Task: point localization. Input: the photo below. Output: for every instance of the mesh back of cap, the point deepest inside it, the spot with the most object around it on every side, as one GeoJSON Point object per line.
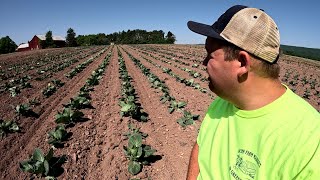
{"type": "Point", "coordinates": [254, 31]}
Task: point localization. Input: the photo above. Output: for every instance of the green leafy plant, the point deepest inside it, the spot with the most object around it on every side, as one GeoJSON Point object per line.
{"type": "Point", "coordinates": [132, 110]}
{"type": "Point", "coordinates": [57, 136]}
{"type": "Point", "coordinates": [84, 91]}
{"type": "Point", "coordinates": [34, 102]}
{"type": "Point", "coordinates": [166, 70]}
{"type": "Point", "coordinates": [7, 86]}
{"type": "Point", "coordinates": [203, 90]}
{"type": "Point", "coordinates": [68, 116]}
{"type": "Point", "coordinates": [190, 82]}
{"type": "Point", "coordinates": [174, 105]}
{"type": "Point", "coordinates": [95, 77]}
{"type": "Point", "coordinates": [306, 94]}
{"type": "Point", "coordinates": [195, 65]}
{"type": "Point", "coordinates": [43, 165]}
{"type": "Point", "coordinates": [25, 85]}
{"type": "Point", "coordinates": [187, 119]}
{"type": "Point", "coordinates": [137, 153]}
{"type": "Point", "coordinates": [24, 110]}
{"type": "Point", "coordinates": [14, 91]}
{"type": "Point", "coordinates": [8, 127]}
{"type": "Point", "coordinates": [194, 74]}
{"type": "Point", "coordinates": [133, 130]}
{"type": "Point", "coordinates": [166, 97]}
{"type": "Point", "coordinates": [49, 90]}
{"type": "Point", "coordinates": [92, 81]}
{"type": "Point", "coordinates": [57, 82]}
{"type": "Point", "coordinates": [71, 74]}
{"type": "Point", "coordinates": [79, 102]}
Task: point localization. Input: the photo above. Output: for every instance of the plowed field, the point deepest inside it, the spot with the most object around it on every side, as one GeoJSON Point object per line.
{"type": "Point", "coordinates": [94, 149]}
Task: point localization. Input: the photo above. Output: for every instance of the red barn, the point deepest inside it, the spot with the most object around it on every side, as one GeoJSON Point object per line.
{"type": "Point", "coordinates": [23, 47]}
{"type": "Point", "coordinates": [35, 42]}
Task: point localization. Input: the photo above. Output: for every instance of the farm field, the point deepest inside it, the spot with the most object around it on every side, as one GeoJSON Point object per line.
{"type": "Point", "coordinates": [113, 104]}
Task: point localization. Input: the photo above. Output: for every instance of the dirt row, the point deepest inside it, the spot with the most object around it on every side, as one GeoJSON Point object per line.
{"type": "Point", "coordinates": [18, 147]}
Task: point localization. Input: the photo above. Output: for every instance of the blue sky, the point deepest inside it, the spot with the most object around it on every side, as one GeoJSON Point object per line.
{"type": "Point", "coordinates": [298, 21]}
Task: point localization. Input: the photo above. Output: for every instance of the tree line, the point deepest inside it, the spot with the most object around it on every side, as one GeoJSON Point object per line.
{"type": "Point", "coordinates": [137, 36]}
{"type": "Point", "coordinates": [310, 53]}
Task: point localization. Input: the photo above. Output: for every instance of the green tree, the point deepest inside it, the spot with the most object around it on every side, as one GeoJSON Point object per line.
{"type": "Point", "coordinates": [136, 36]}
{"type": "Point", "coordinates": [101, 39]}
{"type": "Point", "coordinates": [170, 38]}
{"type": "Point", "coordinates": [71, 38]}
{"type": "Point", "coordinates": [7, 45]}
{"type": "Point", "coordinates": [49, 41]}
{"type": "Point", "coordinates": [80, 40]}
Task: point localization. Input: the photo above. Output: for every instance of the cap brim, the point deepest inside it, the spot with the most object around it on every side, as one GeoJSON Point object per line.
{"type": "Point", "coordinates": [204, 29]}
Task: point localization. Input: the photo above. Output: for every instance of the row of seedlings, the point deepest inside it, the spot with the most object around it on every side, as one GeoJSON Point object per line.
{"type": "Point", "coordinates": [173, 105]}
{"type": "Point", "coordinates": [136, 152]}
{"type": "Point", "coordinates": [79, 68]}
{"type": "Point", "coordinates": [168, 55]}
{"type": "Point", "coordinates": [38, 60]}
{"type": "Point", "coordinates": [33, 64]}
{"type": "Point", "coordinates": [185, 54]}
{"type": "Point", "coordinates": [173, 57]}
{"type": "Point", "coordinates": [47, 71]}
{"type": "Point", "coordinates": [49, 90]}
{"type": "Point", "coordinates": [25, 110]}
{"type": "Point", "coordinates": [187, 82]}
{"type": "Point", "coordinates": [15, 85]}
{"type": "Point", "coordinates": [192, 73]}
{"type": "Point", "coordinates": [11, 126]}
{"type": "Point", "coordinates": [21, 68]}
{"type": "Point", "coordinates": [46, 165]}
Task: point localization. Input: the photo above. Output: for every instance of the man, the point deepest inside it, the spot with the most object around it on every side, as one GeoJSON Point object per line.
{"type": "Point", "coordinates": [257, 128]}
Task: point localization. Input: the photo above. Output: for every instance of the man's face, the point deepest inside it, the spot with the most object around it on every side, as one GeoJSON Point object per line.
{"type": "Point", "coordinates": [220, 72]}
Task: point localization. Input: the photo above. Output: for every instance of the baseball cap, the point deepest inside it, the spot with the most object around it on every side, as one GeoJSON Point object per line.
{"type": "Point", "coordinates": [250, 29]}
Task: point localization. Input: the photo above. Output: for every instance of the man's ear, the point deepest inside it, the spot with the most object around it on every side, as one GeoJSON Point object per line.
{"type": "Point", "coordinates": [245, 62]}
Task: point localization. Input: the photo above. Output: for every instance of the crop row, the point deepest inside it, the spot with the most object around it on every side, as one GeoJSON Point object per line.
{"type": "Point", "coordinates": [41, 73]}
{"type": "Point", "coordinates": [136, 152]}
{"type": "Point", "coordinates": [37, 63]}
{"type": "Point", "coordinates": [47, 165]}
{"type": "Point", "coordinates": [25, 109]}
{"type": "Point", "coordinates": [187, 82]}
{"type": "Point", "coordinates": [166, 97]}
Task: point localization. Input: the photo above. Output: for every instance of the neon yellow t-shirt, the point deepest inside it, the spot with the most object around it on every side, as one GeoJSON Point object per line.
{"type": "Point", "coordinates": [278, 141]}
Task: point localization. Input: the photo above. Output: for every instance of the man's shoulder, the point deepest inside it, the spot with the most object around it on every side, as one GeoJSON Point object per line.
{"type": "Point", "coordinates": [297, 105]}
{"type": "Point", "coordinates": [219, 106]}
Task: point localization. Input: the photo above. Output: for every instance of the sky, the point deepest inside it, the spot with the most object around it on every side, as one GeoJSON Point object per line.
{"type": "Point", "coordinates": [298, 21]}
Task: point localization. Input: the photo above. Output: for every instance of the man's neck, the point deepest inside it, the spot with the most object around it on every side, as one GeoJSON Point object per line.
{"type": "Point", "coordinates": [258, 94]}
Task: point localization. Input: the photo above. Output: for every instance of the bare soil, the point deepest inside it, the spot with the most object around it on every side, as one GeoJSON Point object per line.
{"type": "Point", "coordinates": [95, 147]}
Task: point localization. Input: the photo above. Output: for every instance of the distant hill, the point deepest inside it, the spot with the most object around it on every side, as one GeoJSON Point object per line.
{"type": "Point", "coordinates": [310, 53]}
